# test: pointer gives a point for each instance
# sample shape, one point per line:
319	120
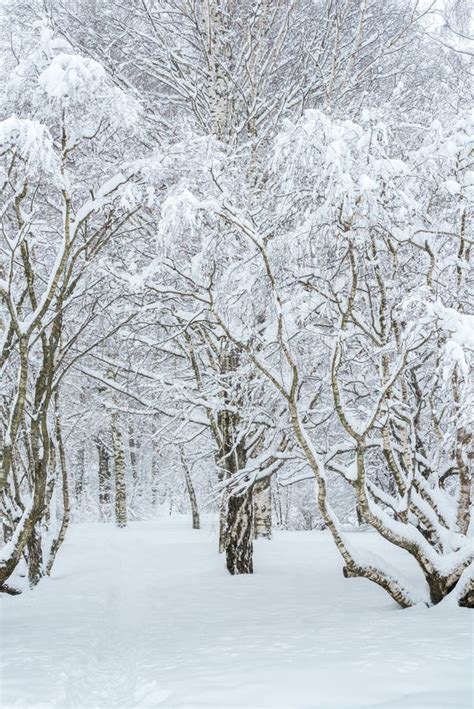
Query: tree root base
10	590
467	601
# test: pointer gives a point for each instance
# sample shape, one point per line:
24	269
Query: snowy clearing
147	616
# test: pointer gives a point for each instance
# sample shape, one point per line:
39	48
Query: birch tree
381	335
56	220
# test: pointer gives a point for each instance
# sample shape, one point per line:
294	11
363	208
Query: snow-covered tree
59	211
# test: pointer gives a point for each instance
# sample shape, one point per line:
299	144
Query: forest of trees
236	277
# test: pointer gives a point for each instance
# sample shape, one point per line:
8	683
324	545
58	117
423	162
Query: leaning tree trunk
359	515
262	509
65	488
239	536
120	488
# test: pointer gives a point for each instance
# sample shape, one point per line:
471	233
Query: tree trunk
191	493
276	499
467	600
66	502
35	557
239	536
223	502
104	481
262	509
32	514
80	470
120	486
133	450
154	480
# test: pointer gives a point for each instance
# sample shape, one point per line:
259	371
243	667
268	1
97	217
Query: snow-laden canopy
30	141
72	76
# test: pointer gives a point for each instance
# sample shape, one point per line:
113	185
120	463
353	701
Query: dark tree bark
35	558
467	601
239	536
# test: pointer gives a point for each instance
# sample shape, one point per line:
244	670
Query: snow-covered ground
148	617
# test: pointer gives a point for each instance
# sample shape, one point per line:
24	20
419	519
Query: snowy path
148	617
